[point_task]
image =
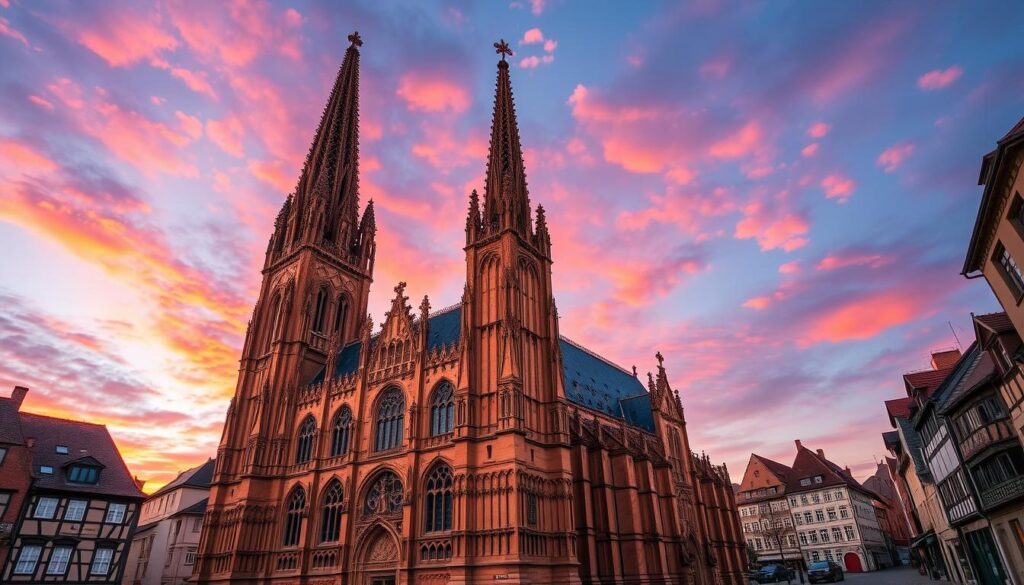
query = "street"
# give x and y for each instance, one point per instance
(898, 576)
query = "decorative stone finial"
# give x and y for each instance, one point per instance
(400, 288)
(502, 48)
(660, 358)
(355, 39)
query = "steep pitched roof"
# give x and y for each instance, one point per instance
(994, 167)
(199, 476)
(809, 464)
(898, 407)
(10, 422)
(997, 322)
(82, 439)
(926, 381)
(778, 469)
(980, 371)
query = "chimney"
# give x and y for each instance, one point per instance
(821, 453)
(18, 396)
(946, 358)
(847, 470)
(799, 445)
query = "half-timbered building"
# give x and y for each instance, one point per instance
(466, 445)
(77, 517)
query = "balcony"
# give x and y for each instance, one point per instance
(1002, 493)
(982, 437)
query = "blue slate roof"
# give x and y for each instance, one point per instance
(589, 379)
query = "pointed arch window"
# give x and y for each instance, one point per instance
(340, 313)
(442, 409)
(341, 430)
(271, 333)
(384, 495)
(330, 518)
(304, 440)
(390, 419)
(321, 311)
(438, 515)
(294, 516)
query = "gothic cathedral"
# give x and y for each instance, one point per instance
(468, 445)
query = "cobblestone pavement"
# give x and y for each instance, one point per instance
(900, 576)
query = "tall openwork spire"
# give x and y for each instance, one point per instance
(506, 203)
(331, 171)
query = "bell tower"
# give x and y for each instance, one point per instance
(508, 307)
(312, 302)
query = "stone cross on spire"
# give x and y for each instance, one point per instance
(502, 48)
(355, 39)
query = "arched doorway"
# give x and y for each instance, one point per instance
(378, 559)
(852, 562)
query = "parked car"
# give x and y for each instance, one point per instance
(774, 574)
(825, 571)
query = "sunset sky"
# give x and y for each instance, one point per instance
(777, 196)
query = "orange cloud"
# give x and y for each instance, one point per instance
(426, 93)
(273, 173)
(23, 158)
(122, 38)
(757, 303)
(864, 317)
(939, 78)
(228, 134)
(892, 157)
(838, 187)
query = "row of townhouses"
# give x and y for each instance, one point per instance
(815, 511)
(957, 444)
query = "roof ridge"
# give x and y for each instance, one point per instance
(62, 419)
(595, 354)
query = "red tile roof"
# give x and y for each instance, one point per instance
(926, 381)
(82, 440)
(998, 322)
(899, 408)
(808, 465)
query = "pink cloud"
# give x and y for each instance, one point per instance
(190, 125)
(550, 45)
(892, 157)
(274, 173)
(739, 144)
(228, 134)
(939, 78)
(757, 303)
(122, 38)
(772, 228)
(818, 130)
(790, 267)
(534, 35)
(427, 93)
(68, 92)
(8, 31)
(847, 259)
(533, 61)
(148, 145)
(863, 317)
(40, 101)
(196, 81)
(236, 33)
(838, 187)
(24, 158)
(809, 150)
(537, 6)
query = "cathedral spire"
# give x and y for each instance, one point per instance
(506, 203)
(331, 171)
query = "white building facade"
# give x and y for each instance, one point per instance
(164, 547)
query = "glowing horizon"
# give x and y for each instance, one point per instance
(782, 213)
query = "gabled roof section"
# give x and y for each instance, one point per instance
(200, 476)
(82, 439)
(196, 509)
(809, 464)
(898, 408)
(995, 322)
(778, 469)
(926, 381)
(982, 369)
(990, 175)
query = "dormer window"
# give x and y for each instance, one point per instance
(45, 470)
(62, 449)
(818, 479)
(83, 474)
(805, 481)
